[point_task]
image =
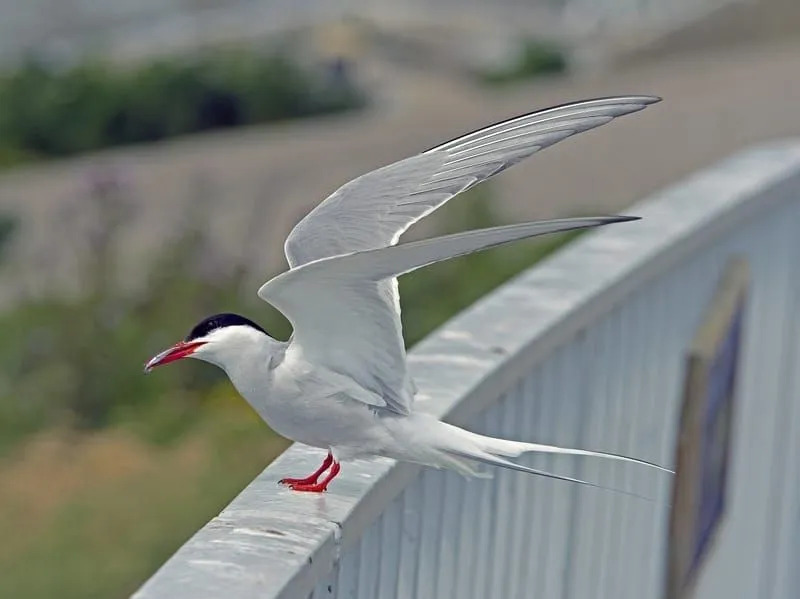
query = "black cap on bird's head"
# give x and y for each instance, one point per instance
(198, 337)
(218, 321)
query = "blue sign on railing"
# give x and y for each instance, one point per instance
(716, 438)
(705, 433)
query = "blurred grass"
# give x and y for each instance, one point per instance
(92, 515)
(106, 472)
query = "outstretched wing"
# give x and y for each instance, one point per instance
(373, 210)
(340, 314)
(352, 325)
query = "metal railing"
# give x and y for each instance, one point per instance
(588, 350)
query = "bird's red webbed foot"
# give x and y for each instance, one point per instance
(321, 486)
(310, 484)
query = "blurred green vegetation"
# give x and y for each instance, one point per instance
(91, 516)
(534, 58)
(106, 472)
(51, 111)
(78, 361)
(8, 225)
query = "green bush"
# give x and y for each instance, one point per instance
(45, 111)
(535, 58)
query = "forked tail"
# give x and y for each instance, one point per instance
(461, 445)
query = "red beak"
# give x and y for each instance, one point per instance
(180, 350)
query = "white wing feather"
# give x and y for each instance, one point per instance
(351, 332)
(372, 211)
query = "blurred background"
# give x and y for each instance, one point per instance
(154, 155)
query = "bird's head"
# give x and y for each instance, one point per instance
(218, 339)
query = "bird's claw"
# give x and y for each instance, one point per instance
(290, 482)
(310, 484)
(299, 485)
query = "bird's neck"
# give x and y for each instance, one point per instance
(250, 366)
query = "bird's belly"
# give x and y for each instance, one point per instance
(321, 422)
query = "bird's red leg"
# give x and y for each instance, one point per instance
(323, 484)
(312, 478)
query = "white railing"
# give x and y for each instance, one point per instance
(586, 349)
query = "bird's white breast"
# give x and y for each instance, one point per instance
(307, 403)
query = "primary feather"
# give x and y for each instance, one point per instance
(373, 210)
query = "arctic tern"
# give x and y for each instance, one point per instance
(341, 381)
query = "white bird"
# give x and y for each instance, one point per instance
(341, 382)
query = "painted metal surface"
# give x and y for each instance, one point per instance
(586, 349)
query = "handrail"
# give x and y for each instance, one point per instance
(272, 542)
